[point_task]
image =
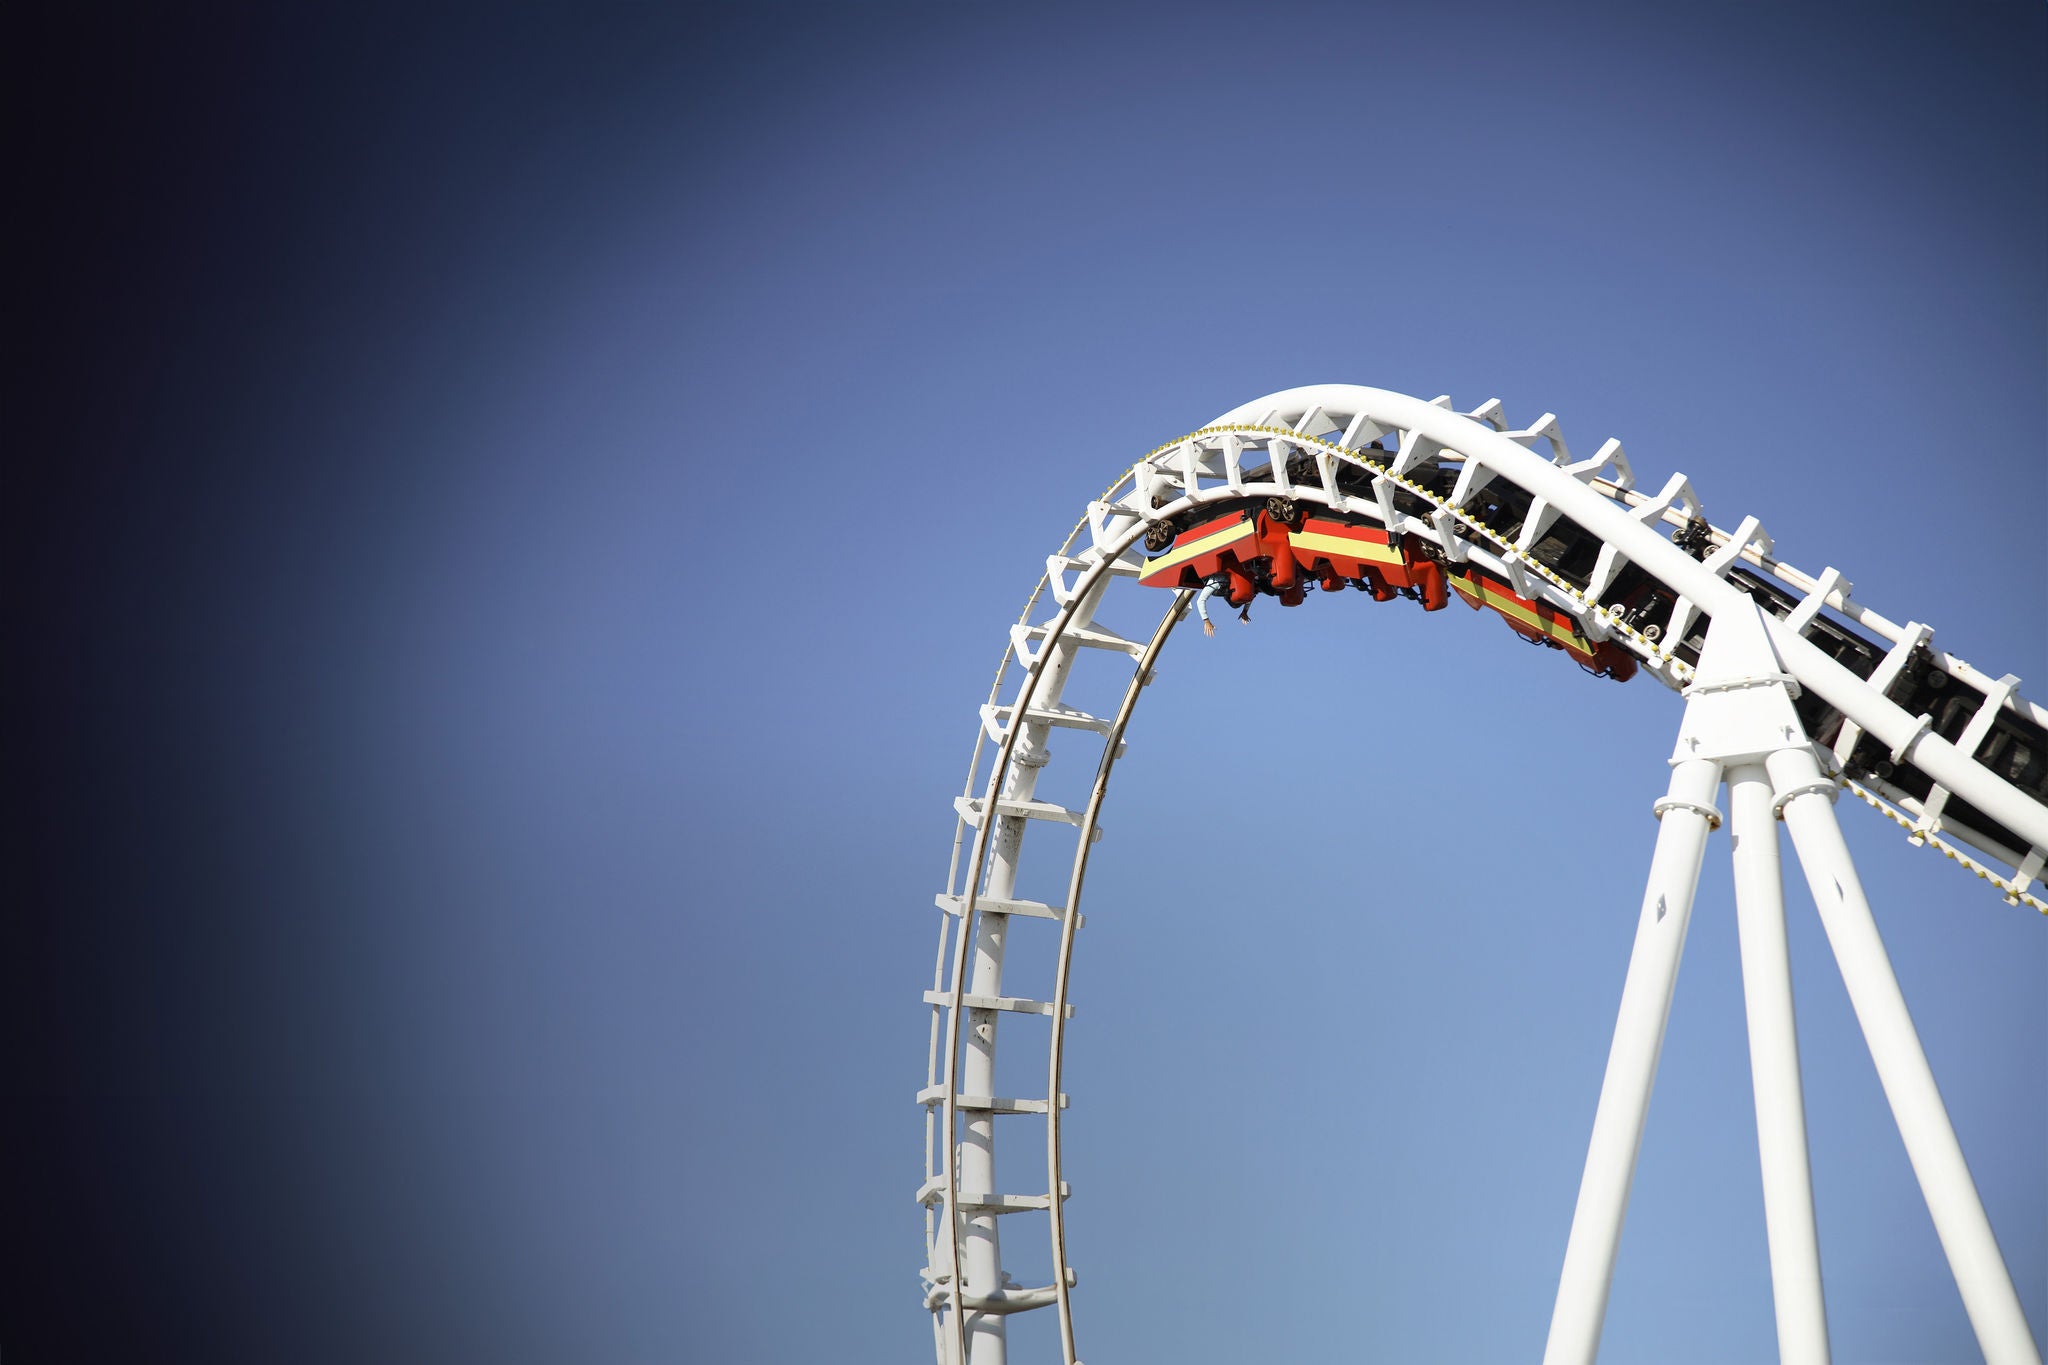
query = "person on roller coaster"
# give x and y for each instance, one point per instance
(1214, 586)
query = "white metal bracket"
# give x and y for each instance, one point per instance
(1363, 431)
(2028, 869)
(1677, 493)
(1973, 734)
(1492, 412)
(1739, 706)
(1544, 429)
(1887, 671)
(1831, 584)
(1106, 522)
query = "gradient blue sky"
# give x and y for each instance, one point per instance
(523, 510)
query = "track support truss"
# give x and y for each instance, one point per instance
(1740, 727)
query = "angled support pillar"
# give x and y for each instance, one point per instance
(1685, 816)
(1774, 1069)
(1806, 800)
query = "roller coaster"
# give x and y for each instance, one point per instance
(1793, 691)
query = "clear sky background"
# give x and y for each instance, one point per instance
(510, 519)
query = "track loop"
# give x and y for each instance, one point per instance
(1430, 473)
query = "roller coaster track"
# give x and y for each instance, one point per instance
(1735, 634)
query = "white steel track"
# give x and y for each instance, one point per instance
(1740, 728)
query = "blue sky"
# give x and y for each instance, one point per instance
(533, 505)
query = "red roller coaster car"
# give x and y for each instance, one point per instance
(1275, 546)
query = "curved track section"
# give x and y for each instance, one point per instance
(1955, 757)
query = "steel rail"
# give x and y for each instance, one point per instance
(1112, 741)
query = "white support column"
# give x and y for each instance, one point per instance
(1686, 816)
(1774, 1070)
(981, 1254)
(1959, 1220)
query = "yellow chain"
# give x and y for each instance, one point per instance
(1928, 839)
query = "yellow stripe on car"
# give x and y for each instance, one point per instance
(1507, 605)
(1368, 550)
(1180, 554)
